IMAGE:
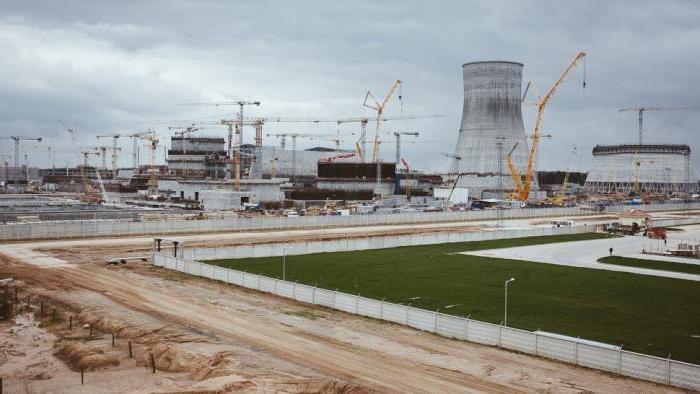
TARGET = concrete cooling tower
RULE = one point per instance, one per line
(492, 109)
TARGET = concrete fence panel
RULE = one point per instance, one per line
(585, 354)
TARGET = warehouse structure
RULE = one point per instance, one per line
(492, 126)
(657, 168)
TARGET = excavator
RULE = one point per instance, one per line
(523, 186)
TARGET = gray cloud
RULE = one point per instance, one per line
(104, 66)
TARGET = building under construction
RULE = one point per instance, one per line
(653, 168)
(197, 157)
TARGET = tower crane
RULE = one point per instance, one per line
(17, 139)
(153, 180)
(640, 111)
(379, 107)
(522, 193)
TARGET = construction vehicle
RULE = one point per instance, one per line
(379, 107)
(523, 187)
(655, 233)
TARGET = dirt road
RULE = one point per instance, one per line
(211, 337)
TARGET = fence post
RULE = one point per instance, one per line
(500, 334)
(335, 299)
(357, 304)
(537, 343)
(407, 307)
(313, 295)
(668, 369)
(466, 328)
(381, 310)
(619, 360)
(435, 322)
(576, 352)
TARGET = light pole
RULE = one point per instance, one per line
(505, 305)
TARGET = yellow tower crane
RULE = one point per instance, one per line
(379, 107)
(522, 192)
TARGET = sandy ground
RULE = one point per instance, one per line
(211, 337)
(586, 253)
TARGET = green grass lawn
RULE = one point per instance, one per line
(652, 264)
(647, 314)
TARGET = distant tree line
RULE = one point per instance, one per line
(557, 177)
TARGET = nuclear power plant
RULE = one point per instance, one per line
(492, 126)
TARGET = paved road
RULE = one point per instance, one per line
(586, 253)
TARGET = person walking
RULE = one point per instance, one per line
(611, 250)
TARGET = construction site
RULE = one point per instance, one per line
(221, 255)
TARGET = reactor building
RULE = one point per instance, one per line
(654, 168)
(492, 127)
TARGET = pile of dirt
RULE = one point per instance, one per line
(79, 355)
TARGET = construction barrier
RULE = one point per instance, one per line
(365, 243)
(117, 228)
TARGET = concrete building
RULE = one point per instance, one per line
(288, 163)
(217, 200)
(357, 177)
(258, 190)
(658, 168)
(20, 175)
(198, 157)
(491, 114)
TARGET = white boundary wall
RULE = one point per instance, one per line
(622, 362)
(365, 243)
(102, 228)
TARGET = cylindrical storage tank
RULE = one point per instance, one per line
(492, 114)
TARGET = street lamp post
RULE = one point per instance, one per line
(505, 304)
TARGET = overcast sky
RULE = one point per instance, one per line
(103, 67)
